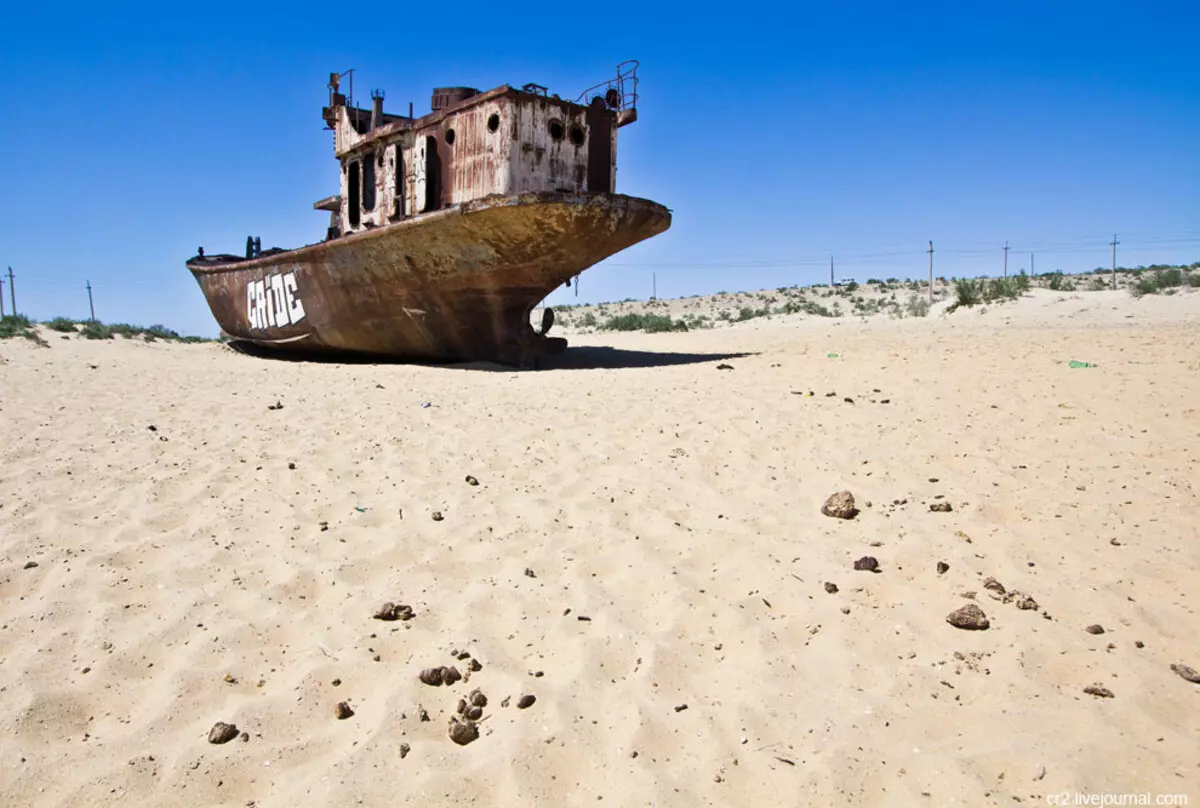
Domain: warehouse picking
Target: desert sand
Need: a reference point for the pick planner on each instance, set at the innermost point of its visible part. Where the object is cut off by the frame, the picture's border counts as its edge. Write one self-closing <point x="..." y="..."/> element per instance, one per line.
<point x="644" y="553"/>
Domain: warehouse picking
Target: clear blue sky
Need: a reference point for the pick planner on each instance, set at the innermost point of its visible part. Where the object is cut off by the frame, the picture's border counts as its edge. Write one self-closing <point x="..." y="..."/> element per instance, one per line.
<point x="776" y="135"/>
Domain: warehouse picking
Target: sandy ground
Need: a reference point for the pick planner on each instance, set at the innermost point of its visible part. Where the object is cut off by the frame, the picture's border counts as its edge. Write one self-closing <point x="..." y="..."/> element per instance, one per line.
<point x="186" y="573"/>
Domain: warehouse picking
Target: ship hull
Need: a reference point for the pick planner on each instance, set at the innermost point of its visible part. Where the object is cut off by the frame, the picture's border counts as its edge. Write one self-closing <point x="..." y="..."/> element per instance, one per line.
<point x="453" y="285"/>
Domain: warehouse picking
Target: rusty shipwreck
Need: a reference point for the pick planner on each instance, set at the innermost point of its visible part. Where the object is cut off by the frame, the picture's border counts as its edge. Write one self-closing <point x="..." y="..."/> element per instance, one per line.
<point x="448" y="230"/>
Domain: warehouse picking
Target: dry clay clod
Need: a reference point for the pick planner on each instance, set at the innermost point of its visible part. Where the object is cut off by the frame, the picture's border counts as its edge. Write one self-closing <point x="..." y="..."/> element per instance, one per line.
<point x="440" y="676"/>
<point x="463" y="732"/>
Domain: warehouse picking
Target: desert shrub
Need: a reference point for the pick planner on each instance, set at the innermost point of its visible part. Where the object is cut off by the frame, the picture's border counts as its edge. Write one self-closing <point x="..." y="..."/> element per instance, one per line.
<point x="1057" y="282"/>
<point x="917" y="306"/>
<point x="967" y="292"/>
<point x="1151" y="283"/>
<point x="746" y="313"/>
<point x="61" y="324"/>
<point x="96" y="330"/>
<point x="588" y="320"/>
<point x="17" y="325"/>
<point x="650" y="323"/>
<point x="1169" y="278"/>
<point x="804" y="307"/>
<point x="998" y="289"/>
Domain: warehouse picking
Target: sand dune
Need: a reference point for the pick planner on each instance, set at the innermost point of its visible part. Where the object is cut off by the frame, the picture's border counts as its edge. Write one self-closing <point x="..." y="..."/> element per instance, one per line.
<point x="202" y="557"/>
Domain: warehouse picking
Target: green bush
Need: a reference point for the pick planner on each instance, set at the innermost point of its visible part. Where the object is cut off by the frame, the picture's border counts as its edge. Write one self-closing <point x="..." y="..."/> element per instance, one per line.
<point x="917" y="306"/>
<point x="96" y="330"/>
<point x="18" y="325"/>
<point x="1057" y="282"/>
<point x="967" y="292"/>
<point x="650" y="323"/>
<point x="62" y="324"/>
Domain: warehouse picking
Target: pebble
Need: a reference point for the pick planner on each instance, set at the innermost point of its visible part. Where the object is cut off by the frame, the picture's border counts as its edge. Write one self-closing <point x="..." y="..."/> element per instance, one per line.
<point x="1099" y="691"/>
<point x="940" y="507"/>
<point x="222" y="733"/>
<point x="404" y="750"/>
<point x="840" y="506"/>
<point x="1095" y="628"/>
<point x="437" y="516"/>
<point x="526" y="701"/>
<point x="942" y="567"/>
<point x="867" y="564"/>
<point x="471" y="480"/>
<point x="831" y="588"/>
<point x="969" y="617"/>
<point x="30" y="565"/>
<point x="343" y="710"/>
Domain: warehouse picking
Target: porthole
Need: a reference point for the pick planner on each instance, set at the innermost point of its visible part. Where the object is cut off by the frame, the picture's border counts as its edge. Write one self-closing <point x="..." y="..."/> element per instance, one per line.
<point x="556" y="130"/>
<point x="450" y="136"/>
<point x="577" y="136"/>
<point x="493" y="122"/>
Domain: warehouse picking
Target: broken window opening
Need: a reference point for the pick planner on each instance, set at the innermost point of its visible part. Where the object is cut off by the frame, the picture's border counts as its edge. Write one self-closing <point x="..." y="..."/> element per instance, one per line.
<point x="450" y="136"/>
<point x="368" y="183"/>
<point x="577" y="135"/>
<point x="400" y="195"/>
<point x="556" y="130"/>
<point x="493" y="122"/>
<point x="353" y="194"/>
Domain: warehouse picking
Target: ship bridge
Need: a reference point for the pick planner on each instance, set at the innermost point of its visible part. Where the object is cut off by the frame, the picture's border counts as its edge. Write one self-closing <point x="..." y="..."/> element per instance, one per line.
<point x="472" y="145"/>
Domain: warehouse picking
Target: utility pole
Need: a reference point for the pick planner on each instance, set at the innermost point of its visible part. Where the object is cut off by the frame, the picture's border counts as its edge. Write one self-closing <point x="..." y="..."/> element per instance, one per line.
<point x="12" y="290"/>
<point x="931" y="272"/>
<point x="1031" y="272"/>
<point x="654" y="286"/>
<point x="1006" y="259"/>
<point x="2" y="297"/>
<point x="1115" y="243"/>
<point x="91" y="305"/>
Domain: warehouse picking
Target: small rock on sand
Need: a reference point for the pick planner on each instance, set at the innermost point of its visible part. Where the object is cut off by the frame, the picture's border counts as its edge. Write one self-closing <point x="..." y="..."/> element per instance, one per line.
<point x="1099" y="691"/>
<point x="393" y="611"/>
<point x="404" y="750"/>
<point x="526" y="701"/>
<point x="840" y="506"/>
<point x="1095" y="628"/>
<point x="831" y="588"/>
<point x="471" y="480"/>
<point x="30" y="565"/>
<point x="969" y="617"/>
<point x="940" y="507"/>
<point x="222" y="732"/>
<point x="942" y="567"/>
<point x="1026" y="603"/>
<point x="343" y="710"/>
<point x="437" y="516"/>
<point x="433" y="676"/>
<point x="867" y="564"/>
<point x="1188" y="673"/>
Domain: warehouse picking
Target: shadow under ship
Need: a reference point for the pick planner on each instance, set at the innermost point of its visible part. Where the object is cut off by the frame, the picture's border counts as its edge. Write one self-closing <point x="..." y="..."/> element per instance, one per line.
<point x="449" y="229"/>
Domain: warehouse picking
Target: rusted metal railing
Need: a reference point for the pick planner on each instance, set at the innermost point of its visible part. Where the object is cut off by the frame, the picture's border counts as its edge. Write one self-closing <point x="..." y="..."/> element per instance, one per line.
<point x="619" y="93"/>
